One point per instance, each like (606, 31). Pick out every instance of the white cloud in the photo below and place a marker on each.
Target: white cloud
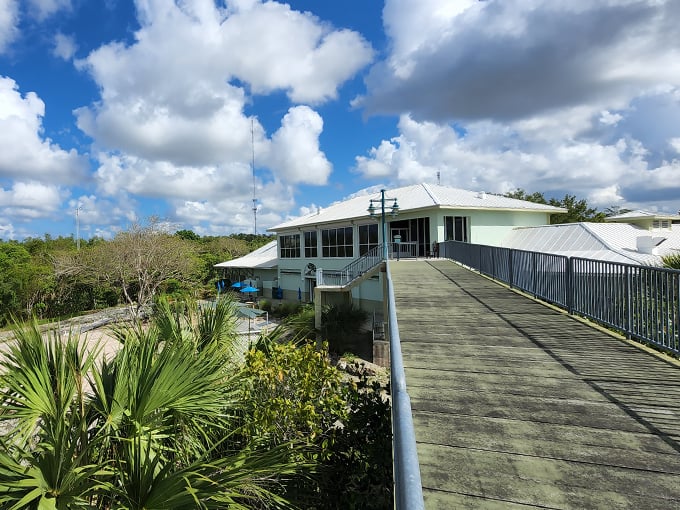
(9, 19)
(295, 152)
(24, 153)
(295, 52)
(42, 9)
(579, 97)
(509, 59)
(64, 46)
(171, 124)
(31, 200)
(499, 158)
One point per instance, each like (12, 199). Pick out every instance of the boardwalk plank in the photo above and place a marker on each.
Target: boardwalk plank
(517, 405)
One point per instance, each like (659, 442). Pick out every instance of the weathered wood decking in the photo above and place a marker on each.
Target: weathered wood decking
(517, 405)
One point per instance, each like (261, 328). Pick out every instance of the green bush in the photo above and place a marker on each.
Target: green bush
(295, 394)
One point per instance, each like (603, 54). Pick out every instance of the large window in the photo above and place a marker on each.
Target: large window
(456, 228)
(368, 238)
(337, 242)
(311, 248)
(290, 246)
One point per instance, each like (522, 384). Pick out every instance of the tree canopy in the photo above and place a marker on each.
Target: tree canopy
(577, 210)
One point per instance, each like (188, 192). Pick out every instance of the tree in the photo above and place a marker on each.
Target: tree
(577, 210)
(520, 194)
(137, 261)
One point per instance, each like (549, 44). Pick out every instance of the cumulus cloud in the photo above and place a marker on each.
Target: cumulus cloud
(579, 97)
(170, 123)
(295, 151)
(31, 200)
(499, 158)
(64, 46)
(24, 153)
(516, 58)
(168, 98)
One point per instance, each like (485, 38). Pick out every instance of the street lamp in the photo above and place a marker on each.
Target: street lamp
(393, 213)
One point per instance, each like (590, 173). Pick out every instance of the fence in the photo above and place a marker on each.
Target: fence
(643, 302)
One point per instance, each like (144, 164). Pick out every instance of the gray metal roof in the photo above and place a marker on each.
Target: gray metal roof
(413, 198)
(265, 257)
(615, 242)
(639, 214)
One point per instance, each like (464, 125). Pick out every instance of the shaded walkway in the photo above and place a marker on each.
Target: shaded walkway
(516, 405)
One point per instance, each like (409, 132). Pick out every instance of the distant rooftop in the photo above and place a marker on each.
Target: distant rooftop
(642, 215)
(413, 198)
(265, 257)
(614, 242)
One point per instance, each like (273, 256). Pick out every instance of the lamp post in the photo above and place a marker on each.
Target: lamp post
(394, 212)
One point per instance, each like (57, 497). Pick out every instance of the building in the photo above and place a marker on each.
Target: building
(636, 237)
(330, 239)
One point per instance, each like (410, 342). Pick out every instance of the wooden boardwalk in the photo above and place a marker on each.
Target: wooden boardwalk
(517, 405)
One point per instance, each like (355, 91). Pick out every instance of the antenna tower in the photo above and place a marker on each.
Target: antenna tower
(252, 145)
(439, 177)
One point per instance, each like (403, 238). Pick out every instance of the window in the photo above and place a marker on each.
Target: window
(661, 224)
(290, 246)
(310, 244)
(337, 242)
(368, 238)
(456, 228)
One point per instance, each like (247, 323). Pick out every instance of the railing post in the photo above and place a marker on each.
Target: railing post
(511, 275)
(629, 302)
(570, 286)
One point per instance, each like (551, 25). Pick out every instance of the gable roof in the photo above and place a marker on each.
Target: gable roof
(639, 214)
(413, 198)
(613, 242)
(265, 257)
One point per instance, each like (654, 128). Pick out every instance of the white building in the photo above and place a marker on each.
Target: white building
(331, 238)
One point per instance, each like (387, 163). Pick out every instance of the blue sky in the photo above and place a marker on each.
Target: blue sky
(124, 109)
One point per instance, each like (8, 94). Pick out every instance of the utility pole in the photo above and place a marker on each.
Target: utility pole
(78, 208)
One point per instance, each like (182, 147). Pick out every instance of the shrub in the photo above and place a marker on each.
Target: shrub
(296, 394)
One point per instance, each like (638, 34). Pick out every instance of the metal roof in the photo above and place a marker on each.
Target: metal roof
(265, 257)
(413, 198)
(615, 242)
(639, 214)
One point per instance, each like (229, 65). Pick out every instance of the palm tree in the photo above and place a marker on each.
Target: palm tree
(152, 428)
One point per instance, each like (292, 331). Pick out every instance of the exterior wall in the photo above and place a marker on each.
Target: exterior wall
(490, 227)
(485, 227)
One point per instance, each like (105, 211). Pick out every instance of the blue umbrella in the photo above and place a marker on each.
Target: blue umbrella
(238, 285)
(249, 289)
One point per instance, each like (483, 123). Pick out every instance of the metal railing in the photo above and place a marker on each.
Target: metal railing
(351, 271)
(642, 302)
(405, 250)
(408, 490)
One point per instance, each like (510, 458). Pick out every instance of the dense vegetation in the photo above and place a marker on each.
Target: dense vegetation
(49, 277)
(272, 426)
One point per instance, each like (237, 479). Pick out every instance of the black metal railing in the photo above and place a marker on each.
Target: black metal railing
(642, 302)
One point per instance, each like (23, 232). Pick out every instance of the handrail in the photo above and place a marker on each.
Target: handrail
(351, 271)
(642, 302)
(408, 490)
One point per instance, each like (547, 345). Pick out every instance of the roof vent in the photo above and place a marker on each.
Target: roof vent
(649, 244)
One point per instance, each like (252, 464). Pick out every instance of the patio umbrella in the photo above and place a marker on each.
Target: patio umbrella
(238, 285)
(249, 289)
